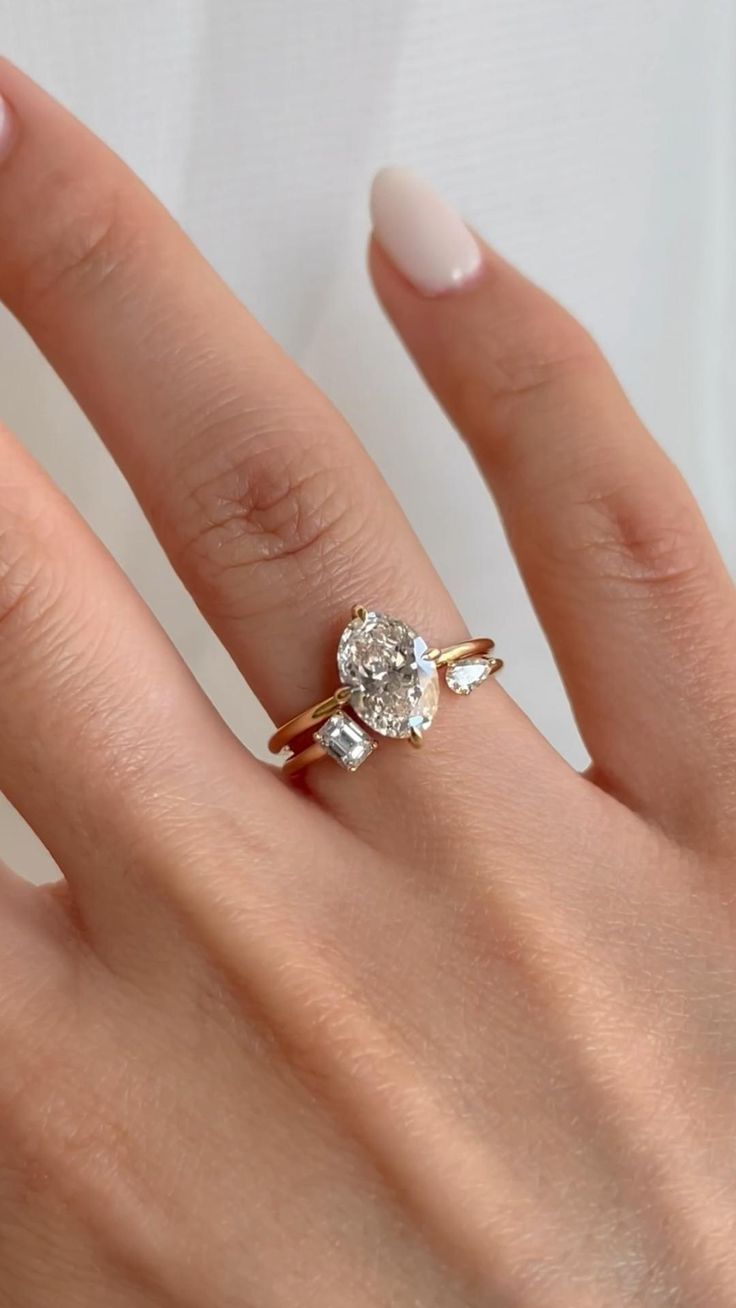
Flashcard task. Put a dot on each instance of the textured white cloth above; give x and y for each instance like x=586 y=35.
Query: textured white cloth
x=591 y=140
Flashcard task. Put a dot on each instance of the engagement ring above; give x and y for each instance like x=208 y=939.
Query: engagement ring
x=389 y=683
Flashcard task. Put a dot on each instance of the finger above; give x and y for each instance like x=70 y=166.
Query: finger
x=30 y=933
x=107 y=746
x=617 y=558
x=271 y=512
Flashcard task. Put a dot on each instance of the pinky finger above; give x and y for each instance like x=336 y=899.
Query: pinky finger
x=33 y=932
x=107 y=745
x=638 y=606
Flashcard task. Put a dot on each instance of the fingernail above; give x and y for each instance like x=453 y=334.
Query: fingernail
x=422 y=235
x=7 y=127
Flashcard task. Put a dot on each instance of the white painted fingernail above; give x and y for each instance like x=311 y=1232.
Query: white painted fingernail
x=7 y=127
x=422 y=235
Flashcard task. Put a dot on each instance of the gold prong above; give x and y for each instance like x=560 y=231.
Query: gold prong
x=477 y=648
x=360 y=612
x=308 y=719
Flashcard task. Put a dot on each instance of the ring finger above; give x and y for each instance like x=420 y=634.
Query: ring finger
x=273 y=515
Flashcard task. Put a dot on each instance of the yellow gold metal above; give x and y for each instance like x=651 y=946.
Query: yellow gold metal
x=312 y=717
x=465 y=650
x=312 y=754
x=309 y=718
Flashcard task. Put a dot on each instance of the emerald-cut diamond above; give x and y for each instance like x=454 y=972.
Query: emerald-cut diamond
x=345 y=741
x=395 y=688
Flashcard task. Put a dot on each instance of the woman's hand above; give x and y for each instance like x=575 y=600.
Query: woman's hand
x=458 y=1029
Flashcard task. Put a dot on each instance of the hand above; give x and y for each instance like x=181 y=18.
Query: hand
x=459 y=1029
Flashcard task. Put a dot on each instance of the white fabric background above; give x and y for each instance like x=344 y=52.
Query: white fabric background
x=592 y=140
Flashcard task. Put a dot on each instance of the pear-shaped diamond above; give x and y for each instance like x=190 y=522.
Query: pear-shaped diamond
x=466 y=674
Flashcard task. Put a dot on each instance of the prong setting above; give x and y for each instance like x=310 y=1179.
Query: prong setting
x=389 y=681
x=464 y=675
x=345 y=741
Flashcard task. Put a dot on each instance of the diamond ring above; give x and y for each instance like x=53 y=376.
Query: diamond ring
x=389 y=678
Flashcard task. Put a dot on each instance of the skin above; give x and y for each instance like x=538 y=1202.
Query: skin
x=457 y=1030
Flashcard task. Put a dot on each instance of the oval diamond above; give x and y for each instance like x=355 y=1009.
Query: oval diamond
x=395 y=688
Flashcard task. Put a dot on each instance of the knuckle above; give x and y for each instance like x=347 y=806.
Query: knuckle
x=26 y=586
x=41 y=1144
x=60 y=1131
x=635 y=538
x=29 y=1059
x=274 y=497
x=534 y=363
x=555 y=346
x=83 y=239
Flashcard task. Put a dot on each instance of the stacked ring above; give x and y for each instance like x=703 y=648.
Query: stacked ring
x=389 y=678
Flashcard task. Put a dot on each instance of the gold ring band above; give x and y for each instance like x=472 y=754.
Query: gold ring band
x=389 y=679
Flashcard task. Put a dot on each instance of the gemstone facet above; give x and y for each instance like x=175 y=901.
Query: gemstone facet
x=395 y=689
x=345 y=741
x=466 y=674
